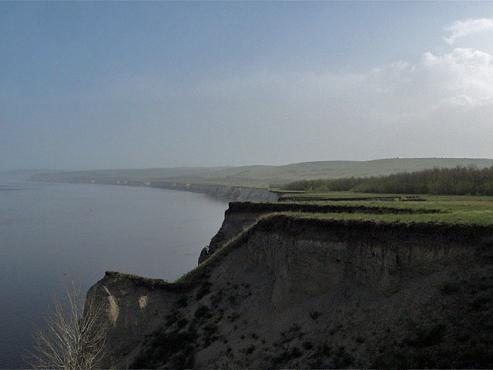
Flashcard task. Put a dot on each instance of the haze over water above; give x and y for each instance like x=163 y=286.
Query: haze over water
x=52 y=234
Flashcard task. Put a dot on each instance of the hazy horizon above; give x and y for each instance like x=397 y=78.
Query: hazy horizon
x=157 y=85
x=226 y=166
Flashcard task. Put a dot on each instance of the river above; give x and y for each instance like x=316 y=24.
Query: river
x=54 y=234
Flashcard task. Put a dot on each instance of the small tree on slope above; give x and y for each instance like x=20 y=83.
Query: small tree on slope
x=74 y=336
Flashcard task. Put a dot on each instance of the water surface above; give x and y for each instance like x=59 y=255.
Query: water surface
x=52 y=234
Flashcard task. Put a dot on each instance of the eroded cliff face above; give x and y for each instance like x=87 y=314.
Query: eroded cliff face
x=242 y=215
x=308 y=293
x=236 y=220
x=227 y=192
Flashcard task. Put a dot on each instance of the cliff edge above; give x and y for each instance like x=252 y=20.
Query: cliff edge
x=289 y=292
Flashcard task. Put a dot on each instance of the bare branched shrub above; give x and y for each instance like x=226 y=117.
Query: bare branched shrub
x=74 y=337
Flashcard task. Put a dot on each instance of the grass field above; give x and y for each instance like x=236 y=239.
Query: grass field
x=453 y=209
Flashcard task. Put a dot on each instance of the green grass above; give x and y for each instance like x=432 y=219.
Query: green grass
x=454 y=209
x=458 y=210
x=461 y=217
x=334 y=195
x=476 y=210
x=316 y=196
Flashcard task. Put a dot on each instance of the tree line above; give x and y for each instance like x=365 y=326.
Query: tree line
x=447 y=181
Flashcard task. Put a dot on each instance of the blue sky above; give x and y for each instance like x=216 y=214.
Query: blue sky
x=155 y=84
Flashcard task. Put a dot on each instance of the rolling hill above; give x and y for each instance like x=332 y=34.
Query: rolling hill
x=262 y=175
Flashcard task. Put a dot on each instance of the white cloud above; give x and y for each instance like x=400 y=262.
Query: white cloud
x=463 y=28
x=438 y=104
x=459 y=79
x=463 y=76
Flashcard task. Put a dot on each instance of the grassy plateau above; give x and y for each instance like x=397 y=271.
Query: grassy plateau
x=450 y=209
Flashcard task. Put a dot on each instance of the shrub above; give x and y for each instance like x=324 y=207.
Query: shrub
x=449 y=181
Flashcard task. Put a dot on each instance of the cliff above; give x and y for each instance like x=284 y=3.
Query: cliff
x=227 y=192
x=290 y=292
x=241 y=215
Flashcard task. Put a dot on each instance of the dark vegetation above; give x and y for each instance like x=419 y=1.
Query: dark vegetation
x=446 y=181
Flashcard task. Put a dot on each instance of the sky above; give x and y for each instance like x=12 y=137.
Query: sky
x=88 y=85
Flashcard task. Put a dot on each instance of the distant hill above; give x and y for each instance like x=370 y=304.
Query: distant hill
x=262 y=176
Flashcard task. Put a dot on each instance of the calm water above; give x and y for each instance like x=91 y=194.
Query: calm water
x=51 y=234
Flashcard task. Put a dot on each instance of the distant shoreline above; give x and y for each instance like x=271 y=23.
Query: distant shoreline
x=225 y=192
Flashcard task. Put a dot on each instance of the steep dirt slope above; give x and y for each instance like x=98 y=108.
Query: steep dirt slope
x=309 y=293
x=241 y=215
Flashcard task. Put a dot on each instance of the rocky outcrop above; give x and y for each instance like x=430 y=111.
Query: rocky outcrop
x=290 y=292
